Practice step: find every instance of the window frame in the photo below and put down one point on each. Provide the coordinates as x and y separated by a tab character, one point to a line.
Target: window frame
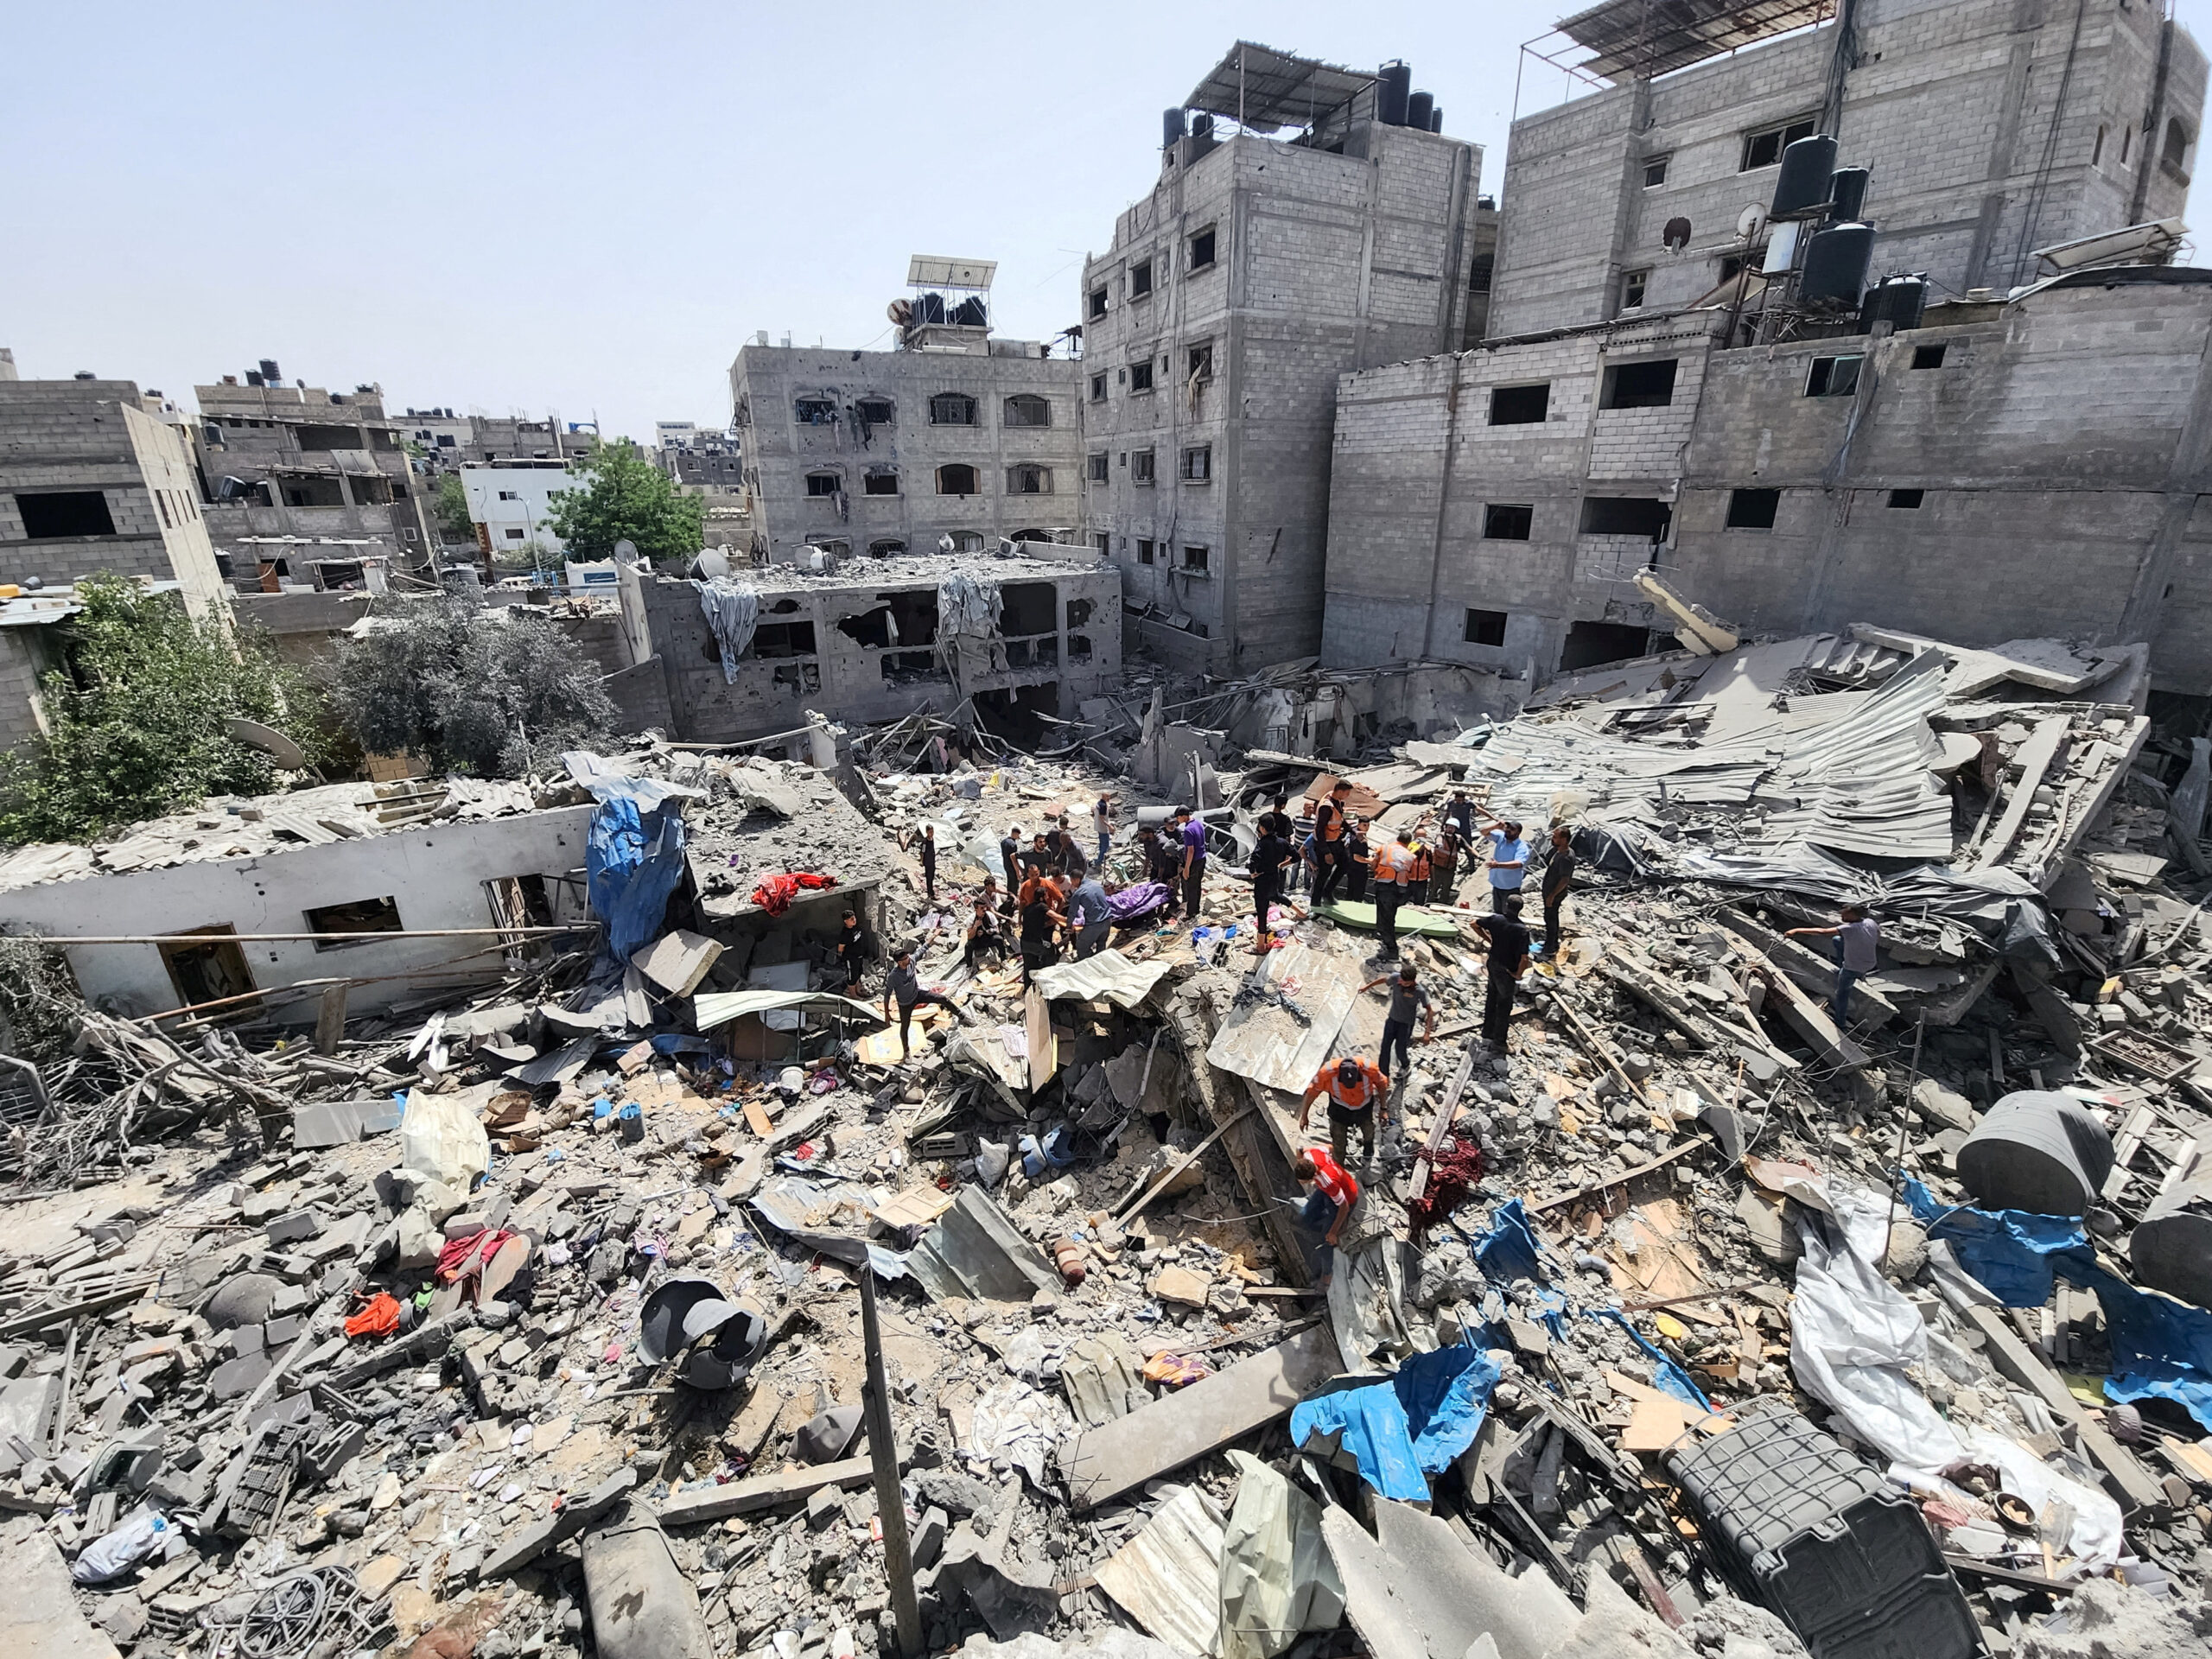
1197	464
1211	236
1503	397
1784	134
861	405
1474	632
1929	357
1498	521
1025	399
975	474
1145	549
1140	376
949	397
1898	501
799	406
1098	387
1636	287
1660	162
1609	384
1021	471
875	475
1820	375
1099	467
1204	564
1144	467
835	478
1198	362
1749	500
1141	279
1098	303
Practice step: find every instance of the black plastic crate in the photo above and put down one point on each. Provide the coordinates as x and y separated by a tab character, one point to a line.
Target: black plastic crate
1792	1521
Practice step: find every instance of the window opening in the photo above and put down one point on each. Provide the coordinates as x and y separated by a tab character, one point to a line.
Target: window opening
1202	244
1626	515
1029	480
1144	549
1506	522
1098	388
65	513
1753	509
1765	149
1201	360
957	478
1655	171
1026	409
1140	466
1633	286
1194	558
1141	375
1833	377
1519	405
1098	468
1485	628
1908	499
820	483
1097	302
1639	385
361	916
1928	357
1198	464
1589	644
952	409
875	411
881	480
816	411
1141	279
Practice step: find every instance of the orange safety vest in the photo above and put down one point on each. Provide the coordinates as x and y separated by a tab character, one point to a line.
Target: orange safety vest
1394	864
1356	1095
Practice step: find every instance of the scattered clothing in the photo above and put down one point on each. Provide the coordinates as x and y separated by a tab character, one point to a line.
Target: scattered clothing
775	892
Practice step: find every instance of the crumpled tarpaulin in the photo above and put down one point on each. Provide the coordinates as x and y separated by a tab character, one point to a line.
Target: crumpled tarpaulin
633	854
1141	899
774	893
1666	1376
2009	1251
1402	1430
968	636
1277	1576
1508	1251
733	611
1108	975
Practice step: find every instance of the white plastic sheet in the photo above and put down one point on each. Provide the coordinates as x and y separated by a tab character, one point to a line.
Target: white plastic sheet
1277	1576
440	1137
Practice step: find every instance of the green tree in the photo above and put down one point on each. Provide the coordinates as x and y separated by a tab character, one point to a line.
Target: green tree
488	692
626	498
136	718
451	510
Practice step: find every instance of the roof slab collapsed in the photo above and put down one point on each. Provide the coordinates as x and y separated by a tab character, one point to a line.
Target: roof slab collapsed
512	1317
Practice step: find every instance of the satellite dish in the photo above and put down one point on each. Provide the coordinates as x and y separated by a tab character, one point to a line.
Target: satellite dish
626	550
901	312
268	741
1676	236
1751	221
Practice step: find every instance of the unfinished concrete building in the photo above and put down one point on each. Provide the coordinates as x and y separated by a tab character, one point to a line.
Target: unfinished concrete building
2007	469
956	437
1025	640
1326	230
300	461
1991	128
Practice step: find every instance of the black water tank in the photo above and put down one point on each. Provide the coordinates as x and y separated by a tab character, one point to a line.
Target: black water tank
1393	82
1171	128
1848	193
1418	108
1803	184
1436	117
1835	262
1201	126
1899	301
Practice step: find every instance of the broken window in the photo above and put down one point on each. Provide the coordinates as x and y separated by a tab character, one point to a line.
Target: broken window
1028	608
1102	542
2174	156
798	679
967	541
361	916
2097	149
1141	375
889	548
1928	357
869	628
816	411
1655	171
1764	147
1753	509
1098	387
1027	409
1508	521
1833	377
1519	405
1097	302
823	484
1201	360
1485	628
1198	464
1144	549
875	411
1079	648
1626	515
1639	385
957	478
881	480
207	965
1141	279
1589	644
1029	480
784	639
1140	466
1634	283
1908	499
1098	467
65	513
952	409
1194	558
904	667
1201	248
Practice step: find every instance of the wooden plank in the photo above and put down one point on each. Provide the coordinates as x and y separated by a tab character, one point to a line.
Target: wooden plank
1444	1113
2125	1476
1178	1167
1810	1019
1178	1427
762	1491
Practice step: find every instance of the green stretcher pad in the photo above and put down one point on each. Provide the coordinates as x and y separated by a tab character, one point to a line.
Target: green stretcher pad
1417	919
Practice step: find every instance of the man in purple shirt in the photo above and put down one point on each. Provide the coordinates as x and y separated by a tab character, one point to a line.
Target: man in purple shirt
1191	833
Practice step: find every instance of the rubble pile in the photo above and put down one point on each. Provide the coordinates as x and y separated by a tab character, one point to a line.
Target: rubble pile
1713	1313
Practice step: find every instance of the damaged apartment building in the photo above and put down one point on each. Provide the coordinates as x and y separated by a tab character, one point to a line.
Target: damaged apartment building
1308	221
301	461
952	444
1026	639
1877	444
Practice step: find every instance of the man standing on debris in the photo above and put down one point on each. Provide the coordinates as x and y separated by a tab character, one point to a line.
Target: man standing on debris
852	949
1508	956
1558	876
929	862
1444	866
1856	940
1406	995
1159	859
1460	815
1268	859
1357	861
1191	833
1508	862
1101	820
1394	874
1358	1095
1089	918
1329	836
1334	1194
1010	856
906	987
1040	919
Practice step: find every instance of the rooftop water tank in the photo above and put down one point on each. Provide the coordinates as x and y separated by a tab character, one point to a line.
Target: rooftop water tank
1836	264
1848	193
1803	184
1418	109
1393	84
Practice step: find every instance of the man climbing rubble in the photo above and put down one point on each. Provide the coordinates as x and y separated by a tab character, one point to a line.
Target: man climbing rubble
1508	960
1358	1097
906	988
1406	996
1857	938
1329	1205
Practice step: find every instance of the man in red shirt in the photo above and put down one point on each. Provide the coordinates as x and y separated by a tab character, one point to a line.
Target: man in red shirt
1358	1095
1334	1193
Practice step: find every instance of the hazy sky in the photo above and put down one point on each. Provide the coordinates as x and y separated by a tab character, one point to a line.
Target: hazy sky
588	208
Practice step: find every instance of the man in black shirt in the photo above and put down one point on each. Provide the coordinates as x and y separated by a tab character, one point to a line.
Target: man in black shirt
905	986
1278	821
1162	861
852	949
929	862
1268	861
1357	861
1509	954
1330	828
1040	919
1010	858
1558	876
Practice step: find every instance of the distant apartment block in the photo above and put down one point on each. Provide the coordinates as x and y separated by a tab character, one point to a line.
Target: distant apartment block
1332	228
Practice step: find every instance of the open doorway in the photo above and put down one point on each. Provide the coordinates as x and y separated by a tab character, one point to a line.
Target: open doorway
207	964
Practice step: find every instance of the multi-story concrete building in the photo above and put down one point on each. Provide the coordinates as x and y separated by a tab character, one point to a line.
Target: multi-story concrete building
954	438
701	458
1991	128
2009	469
445	443
90	481
300	461
1019	637
1258	269
510	501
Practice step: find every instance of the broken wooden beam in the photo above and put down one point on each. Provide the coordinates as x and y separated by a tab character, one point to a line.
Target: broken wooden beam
762	1491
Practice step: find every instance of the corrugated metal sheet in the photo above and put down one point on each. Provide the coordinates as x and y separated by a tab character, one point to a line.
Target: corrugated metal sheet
1168	1577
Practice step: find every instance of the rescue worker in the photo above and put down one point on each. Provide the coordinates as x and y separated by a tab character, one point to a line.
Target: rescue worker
1358	1097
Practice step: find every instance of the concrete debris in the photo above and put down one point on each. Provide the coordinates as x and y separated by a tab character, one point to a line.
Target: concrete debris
531	1306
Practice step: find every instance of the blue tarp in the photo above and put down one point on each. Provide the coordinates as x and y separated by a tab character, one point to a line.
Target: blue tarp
2009	1250
2160	1347
1508	1251
1401	1431
633	859
1666	1376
